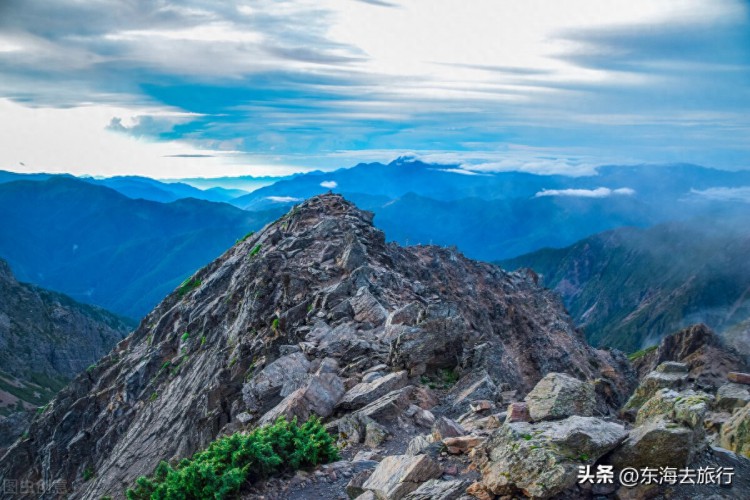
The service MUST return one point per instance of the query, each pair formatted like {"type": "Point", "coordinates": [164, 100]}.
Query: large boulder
{"type": "Point", "coordinates": [318, 397]}
{"type": "Point", "coordinates": [686, 408]}
{"type": "Point", "coordinates": [399, 475]}
{"type": "Point", "coordinates": [732, 396]}
{"type": "Point", "coordinates": [365, 393]}
{"type": "Point", "coordinates": [475, 386]}
{"type": "Point", "coordinates": [735, 433]}
{"type": "Point", "coordinates": [541, 460]}
{"type": "Point", "coordinates": [279, 379]}
{"type": "Point", "coordinates": [558, 396]}
{"type": "Point", "coordinates": [656, 443]}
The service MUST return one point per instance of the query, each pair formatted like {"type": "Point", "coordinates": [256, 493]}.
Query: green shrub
{"type": "Point", "coordinates": [187, 286]}
{"type": "Point", "coordinates": [91, 368]}
{"type": "Point", "coordinates": [220, 470]}
{"type": "Point", "coordinates": [642, 352]}
{"type": "Point", "coordinates": [255, 250]}
{"type": "Point", "coordinates": [203, 340]}
{"type": "Point", "coordinates": [275, 324]}
{"type": "Point", "coordinates": [185, 336]}
{"type": "Point", "coordinates": [88, 473]}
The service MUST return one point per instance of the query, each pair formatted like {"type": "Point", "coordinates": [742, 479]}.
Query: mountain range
{"type": "Point", "coordinates": [629, 287]}
{"type": "Point", "coordinates": [103, 248]}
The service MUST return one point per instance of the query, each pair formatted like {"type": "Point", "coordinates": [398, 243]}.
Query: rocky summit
{"type": "Point", "coordinates": [409, 355]}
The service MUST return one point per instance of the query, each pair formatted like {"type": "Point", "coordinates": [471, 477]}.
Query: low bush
{"type": "Point", "coordinates": [220, 470]}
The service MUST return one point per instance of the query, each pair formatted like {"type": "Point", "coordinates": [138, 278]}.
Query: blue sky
{"type": "Point", "coordinates": [205, 88]}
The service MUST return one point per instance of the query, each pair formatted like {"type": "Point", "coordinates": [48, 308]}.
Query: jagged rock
{"type": "Point", "coordinates": [369, 377]}
{"type": "Point", "coordinates": [473, 387]}
{"type": "Point", "coordinates": [542, 459]}
{"type": "Point", "coordinates": [435, 489]}
{"type": "Point", "coordinates": [735, 433]}
{"type": "Point", "coordinates": [480, 405]}
{"type": "Point", "coordinates": [419, 444]}
{"type": "Point", "coordinates": [317, 397]}
{"type": "Point", "coordinates": [739, 378]}
{"type": "Point", "coordinates": [425, 418]}
{"type": "Point", "coordinates": [445, 428]}
{"type": "Point", "coordinates": [687, 407]}
{"type": "Point", "coordinates": [518, 412]}
{"type": "Point", "coordinates": [462, 444]}
{"type": "Point", "coordinates": [656, 443]}
{"type": "Point", "coordinates": [13, 426]}
{"type": "Point", "coordinates": [708, 359]}
{"type": "Point", "coordinates": [367, 495]}
{"type": "Point", "coordinates": [375, 434]}
{"type": "Point", "coordinates": [665, 376]}
{"type": "Point", "coordinates": [399, 475]}
{"type": "Point", "coordinates": [278, 379]}
{"type": "Point", "coordinates": [731, 396]}
{"type": "Point", "coordinates": [559, 395]}
{"type": "Point", "coordinates": [365, 393]}
{"type": "Point", "coordinates": [162, 395]}
{"type": "Point", "coordinates": [354, 486]}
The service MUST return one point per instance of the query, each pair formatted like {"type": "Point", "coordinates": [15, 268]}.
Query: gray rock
{"type": "Point", "coordinates": [668, 375]}
{"type": "Point", "coordinates": [354, 486]}
{"type": "Point", "coordinates": [318, 397]}
{"type": "Point", "coordinates": [559, 395]}
{"type": "Point", "coordinates": [369, 377]}
{"type": "Point", "coordinates": [375, 434]}
{"type": "Point", "coordinates": [419, 444]}
{"type": "Point", "coordinates": [445, 428]}
{"type": "Point", "coordinates": [735, 433]}
{"type": "Point", "coordinates": [399, 475]}
{"type": "Point", "coordinates": [477, 386]}
{"type": "Point", "coordinates": [656, 443]}
{"type": "Point", "coordinates": [435, 489]}
{"type": "Point", "coordinates": [732, 396]}
{"type": "Point", "coordinates": [279, 378]}
{"type": "Point", "coordinates": [542, 459]}
{"type": "Point", "coordinates": [365, 393]}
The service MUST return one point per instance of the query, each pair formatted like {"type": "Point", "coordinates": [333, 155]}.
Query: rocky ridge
{"type": "Point", "coordinates": [315, 314]}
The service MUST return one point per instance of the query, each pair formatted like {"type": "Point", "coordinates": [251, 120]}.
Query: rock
{"type": "Point", "coordinates": [739, 378]}
{"type": "Point", "coordinates": [558, 396]}
{"type": "Point", "coordinates": [687, 407]}
{"type": "Point", "coordinates": [470, 388]}
{"type": "Point", "coordinates": [478, 490]}
{"type": "Point", "coordinates": [354, 487]}
{"type": "Point", "coordinates": [12, 427]}
{"type": "Point", "coordinates": [318, 397]}
{"type": "Point", "coordinates": [731, 396]}
{"type": "Point", "coordinates": [518, 412]}
{"type": "Point", "coordinates": [735, 433]}
{"type": "Point", "coordinates": [375, 434]}
{"type": "Point", "coordinates": [278, 379]}
{"type": "Point", "coordinates": [671, 376]}
{"type": "Point", "coordinates": [462, 444]}
{"type": "Point", "coordinates": [541, 460]}
{"type": "Point", "coordinates": [399, 475]}
{"type": "Point", "coordinates": [656, 443]}
{"type": "Point", "coordinates": [328, 365]}
{"type": "Point", "coordinates": [367, 309]}
{"type": "Point", "coordinates": [445, 427]}
{"type": "Point", "coordinates": [365, 393]}
{"type": "Point", "coordinates": [425, 418]}
{"type": "Point", "coordinates": [244, 417]}
{"type": "Point", "coordinates": [369, 377]}
{"type": "Point", "coordinates": [435, 489]}
{"type": "Point", "coordinates": [352, 426]}
{"type": "Point", "coordinates": [419, 444]}
{"type": "Point", "coordinates": [367, 495]}
{"type": "Point", "coordinates": [480, 405]}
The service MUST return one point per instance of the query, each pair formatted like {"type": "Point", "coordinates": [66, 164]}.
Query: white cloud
{"type": "Point", "coordinates": [329, 184]}
{"type": "Point", "coordinates": [724, 193]}
{"type": "Point", "coordinates": [283, 199]}
{"type": "Point", "coordinates": [600, 192]}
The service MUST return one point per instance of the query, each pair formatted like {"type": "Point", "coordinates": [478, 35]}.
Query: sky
{"type": "Point", "coordinates": [200, 88]}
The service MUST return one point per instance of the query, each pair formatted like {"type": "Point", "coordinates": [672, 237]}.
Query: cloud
{"type": "Point", "coordinates": [600, 192]}
{"type": "Point", "coordinates": [329, 184]}
{"type": "Point", "coordinates": [283, 199]}
{"type": "Point", "coordinates": [290, 85]}
{"type": "Point", "coordinates": [741, 194]}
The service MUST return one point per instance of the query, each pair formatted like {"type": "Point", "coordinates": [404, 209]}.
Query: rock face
{"type": "Point", "coordinates": [46, 338]}
{"type": "Point", "coordinates": [735, 433]}
{"type": "Point", "coordinates": [708, 359]}
{"type": "Point", "coordinates": [285, 322]}
{"type": "Point", "coordinates": [399, 475]}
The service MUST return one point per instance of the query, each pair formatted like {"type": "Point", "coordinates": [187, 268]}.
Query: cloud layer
{"type": "Point", "coordinates": [275, 87]}
{"type": "Point", "coordinates": [601, 192]}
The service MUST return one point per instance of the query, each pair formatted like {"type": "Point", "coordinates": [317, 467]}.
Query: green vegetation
{"type": "Point", "coordinates": [219, 471]}
{"type": "Point", "coordinates": [91, 368]}
{"type": "Point", "coordinates": [185, 336]}
{"type": "Point", "coordinates": [187, 286]}
{"type": "Point", "coordinates": [255, 250]}
{"type": "Point", "coordinates": [245, 237]}
{"type": "Point", "coordinates": [203, 340]}
{"type": "Point", "coordinates": [42, 409]}
{"type": "Point", "coordinates": [153, 396]}
{"type": "Point", "coordinates": [275, 324]}
{"type": "Point", "coordinates": [88, 473]}
{"type": "Point", "coordinates": [642, 352]}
